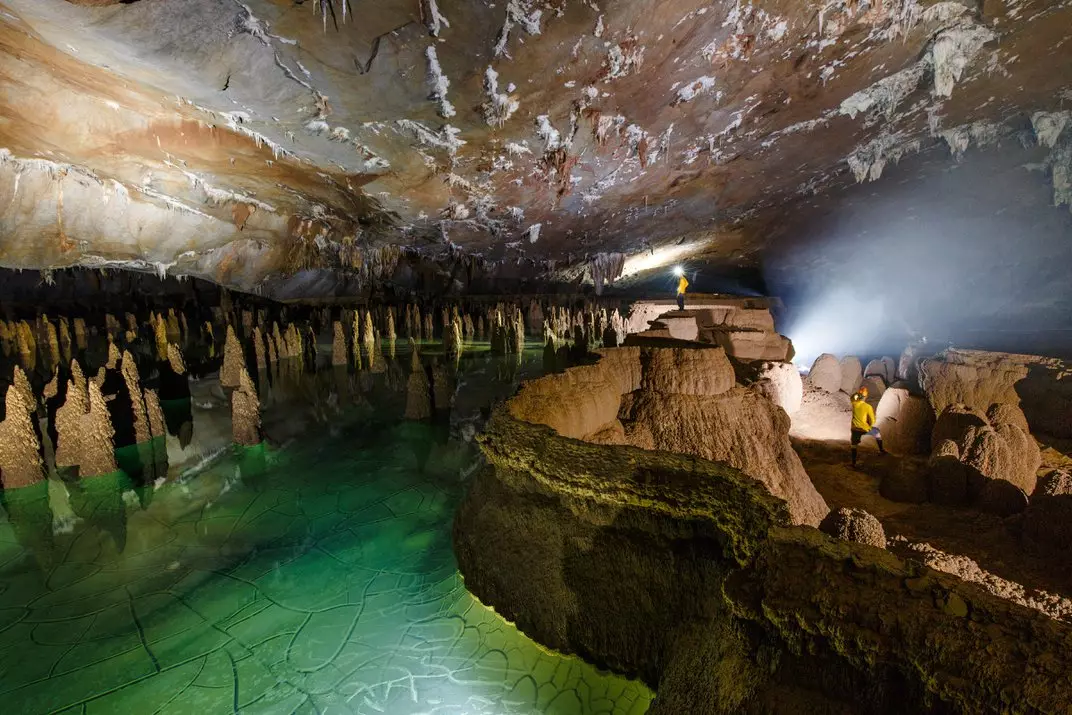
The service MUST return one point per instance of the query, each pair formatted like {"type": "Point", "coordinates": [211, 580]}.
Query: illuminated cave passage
{"type": "Point", "coordinates": [536, 356]}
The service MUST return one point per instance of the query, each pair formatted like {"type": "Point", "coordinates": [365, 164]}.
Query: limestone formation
{"type": "Point", "coordinates": [780, 383]}
{"type": "Point", "coordinates": [685, 371]}
{"type": "Point", "coordinates": [854, 525]}
{"type": "Point", "coordinates": [233, 359]}
{"type": "Point", "coordinates": [20, 450]}
{"type": "Point", "coordinates": [389, 330]}
{"type": "Point", "coordinates": [160, 335]}
{"type": "Point", "coordinates": [339, 355]}
{"type": "Point", "coordinates": [80, 333]}
{"type": "Point", "coordinates": [129, 368]}
{"type": "Point", "coordinates": [429, 331]}
{"type": "Point", "coordinates": [452, 338]}
{"type": "Point", "coordinates": [259, 352]}
{"type": "Point", "coordinates": [985, 459]}
{"type": "Point", "coordinates": [444, 385]}
{"type": "Point", "coordinates": [84, 429]}
{"type": "Point", "coordinates": [970, 378]}
{"type": "Point", "coordinates": [245, 412]}
{"type": "Point", "coordinates": [851, 374]}
{"type": "Point", "coordinates": [155, 414]}
{"type": "Point", "coordinates": [825, 373]}
{"type": "Point", "coordinates": [65, 340]}
{"type": "Point", "coordinates": [905, 420]}
{"type": "Point", "coordinates": [368, 335]}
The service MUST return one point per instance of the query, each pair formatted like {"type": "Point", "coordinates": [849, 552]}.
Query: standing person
{"type": "Point", "coordinates": [863, 423]}
{"type": "Point", "coordinates": [682, 284]}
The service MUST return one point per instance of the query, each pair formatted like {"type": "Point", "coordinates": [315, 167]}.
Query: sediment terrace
{"type": "Point", "coordinates": [689, 574]}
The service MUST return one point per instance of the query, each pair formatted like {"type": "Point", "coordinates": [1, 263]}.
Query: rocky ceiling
{"type": "Point", "coordinates": [308, 147]}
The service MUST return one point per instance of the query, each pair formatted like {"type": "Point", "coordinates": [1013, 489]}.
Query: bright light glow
{"type": "Point", "coordinates": [842, 322]}
{"type": "Point", "coordinates": [662, 257]}
{"type": "Point", "coordinates": [679, 271]}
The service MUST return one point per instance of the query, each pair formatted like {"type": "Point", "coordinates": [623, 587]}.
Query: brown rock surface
{"type": "Point", "coordinates": [905, 420]}
{"type": "Point", "coordinates": [971, 378]}
{"type": "Point", "coordinates": [84, 429]}
{"type": "Point", "coordinates": [686, 371]}
{"type": "Point", "coordinates": [851, 374]}
{"type": "Point", "coordinates": [825, 373]}
{"type": "Point", "coordinates": [740, 428]}
{"type": "Point", "coordinates": [233, 360]}
{"type": "Point", "coordinates": [780, 383]}
{"type": "Point", "coordinates": [854, 525]}
{"type": "Point", "coordinates": [20, 458]}
{"type": "Point", "coordinates": [245, 412]}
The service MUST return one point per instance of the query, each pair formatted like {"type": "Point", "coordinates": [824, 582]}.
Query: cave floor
{"type": "Point", "coordinates": [989, 540]}
{"type": "Point", "coordinates": [315, 578]}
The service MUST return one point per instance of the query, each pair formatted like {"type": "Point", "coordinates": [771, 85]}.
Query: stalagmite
{"type": "Point", "coordinates": [368, 336]}
{"type": "Point", "coordinates": [452, 338]}
{"type": "Point", "coordinates": [111, 325]}
{"type": "Point", "coordinates": [276, 343]}
{"type": "Point", "coordinates": [233, 360]}
{"type": "Point", "coordinates": [155, 414]}
{"type": "Point", "coordinates": [418, 391]}
{"type": "Point", "coordinates": [338, 346]}
{"type": "Point", "coordinates": [389, 332]}
{"type": "Point", "coordinates": [132, 321]}
{"type": "Point", "coordinates": [20, 457]}
{"type": "Point", "coordinates": [130, 376]}
{"type": "Point", "coordinates": [245, 412]}
{"type": "Point", "coordinates": [480, 325]}
{"type": "Point", "coordinates": [519, 332]}
{"type": "Point", "coordinates": [27, 346]}
{"type": "Point", "coordinates": [258, 349]}
{"type": "Point", "coordinates": [161, 337]}
{"type": "Point", "coordinates": [65, 340]}
{"type": "Point", "coordinates": [80, 333]}
{"type": "Point", "coordinates": [84, 430]}
{"type": "Point", "coordinates": [53, 343]}
{"type": "Point", "coordinates": [418, 323]}
{"type": "Point", "coordinates": [429, 330]}
{"type": "Point", "coordinates": [174, 356]}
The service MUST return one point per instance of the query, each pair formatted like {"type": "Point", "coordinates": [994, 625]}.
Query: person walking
{"type": "Point", "coordinates": [863, 423]}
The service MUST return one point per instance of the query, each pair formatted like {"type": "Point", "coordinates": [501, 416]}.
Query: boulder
{"type": "Point", "coordinates": [854, 525]}
{"type": "Point", "coordinates": [751, 344]}
{"type": "Point", "coordinates": [825, 373]}
{"type": "Point", "coordinates": [954, 421]}
{"type": "Point", "coordinates": [780, 383]}
{"type": "Point", "coordinates": [1001, 498]}
{"type": "Point", "coordinates": [686, 371]}
{"type": "Point", "coordinates": [877, 368]}
{"type": "Point", "coordinates": [740, 428]}
{"type": "Point", "coordinates": [987, 456]}
{"type": "Point", "coordinates": [680, 324]}
{"type": "Point", "coordinates": [1053, 483]}
{"type": "Point", "coordinates": [971, 378]}
{"type": "Point", "coordinates": [851, 374]}
{"type": "Point", "coordinates": [823, 416]}
{"type": "Point", "coordinates": [905, 420]}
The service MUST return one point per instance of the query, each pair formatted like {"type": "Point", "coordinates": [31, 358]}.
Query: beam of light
{"type": "Point", "coordinates": [661, 257]}
{"type": "Point", "coordinates": [840, 321]}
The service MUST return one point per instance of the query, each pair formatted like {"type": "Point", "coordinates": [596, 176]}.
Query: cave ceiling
{"type": "Point", "coordinates": [298, 146]}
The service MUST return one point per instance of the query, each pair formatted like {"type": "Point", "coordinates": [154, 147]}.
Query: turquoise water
{"type": "Point", "coordinates": [316, 577]}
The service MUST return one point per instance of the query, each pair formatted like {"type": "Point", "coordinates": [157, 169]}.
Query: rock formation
{"type": "Point", "coordinates": [677, 400]}
{"type": "Point", "coordinates": [129, 368]}
{"type": "Point", "coordinates": [683, 572]}
{"type": "Point", "coordinates": [20, 456]}
{"type": "Point", "coordinates": [233, 359]}
{"type": "Point", "coordinates": [245, 412]}
{"type": "Point", "coordinates": [84, 429]}
{"type": "Point", "coordinates": [339, 354]}
{"type": "Point", "coordinates": [854, 525]}
{"type": "Point", "coordinates": [825, 373]}
{"type": "Point", "coordinates": [905, 420]}
{"type": "Point", "coordinates": [987, 459]}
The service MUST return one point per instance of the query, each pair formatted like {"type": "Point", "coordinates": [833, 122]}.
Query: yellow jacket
{"type": "Point", "coordinates": [682, 285]}
{"type": "Point", "coordinates": [863, 416]}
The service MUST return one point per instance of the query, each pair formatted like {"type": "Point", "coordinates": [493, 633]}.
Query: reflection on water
{"type": "Point", "coordinates": [310, 574]}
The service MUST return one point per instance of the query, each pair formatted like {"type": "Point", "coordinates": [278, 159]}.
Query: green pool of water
{"type": "Point", "coordinates": [317, 578]}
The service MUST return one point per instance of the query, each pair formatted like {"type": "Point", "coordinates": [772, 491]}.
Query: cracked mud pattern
{"type": "Point", "coordinates": [317, 579]}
